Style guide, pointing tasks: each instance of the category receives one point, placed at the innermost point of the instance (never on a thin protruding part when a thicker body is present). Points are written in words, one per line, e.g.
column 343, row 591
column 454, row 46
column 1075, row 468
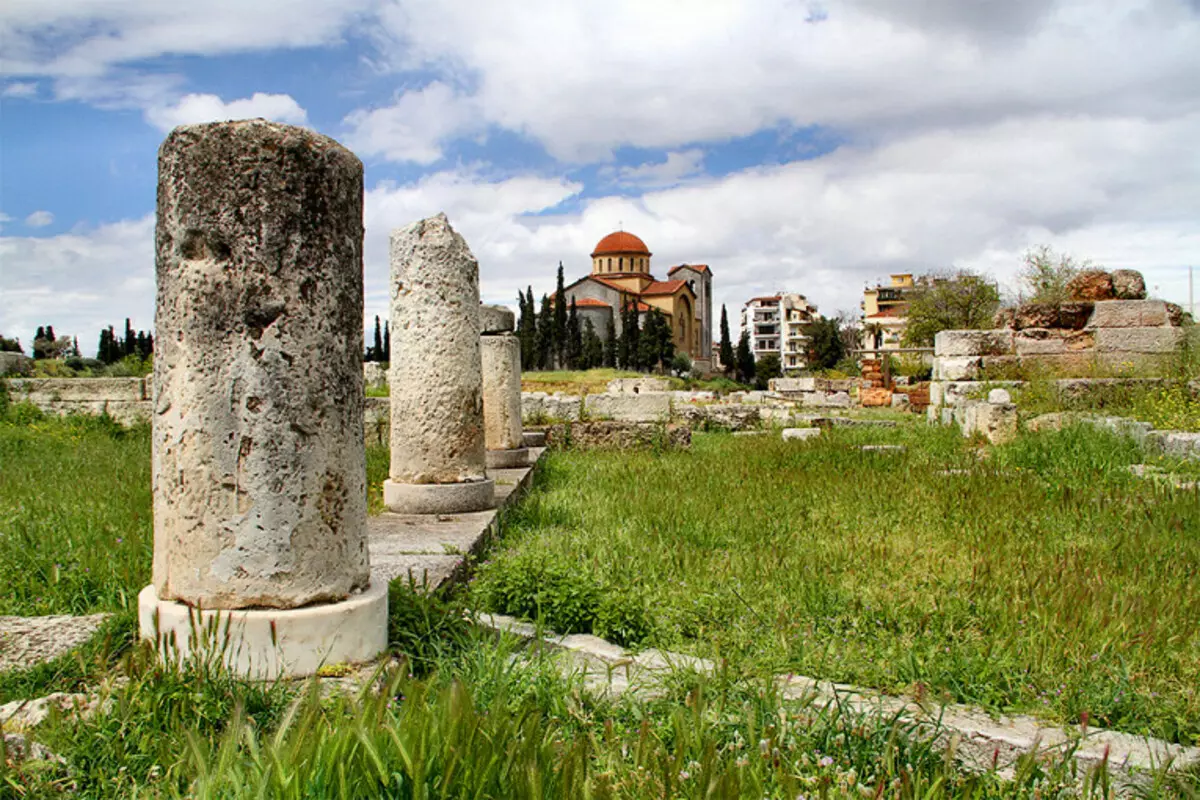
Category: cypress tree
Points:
column 610, row 346
column 376, row 351
column 726, row 351
column 129, row 343
column 544, row 350
column 666, row 342
column 527, row 328
column 593, row 348
column 75, row 346
column 149, row 344
column 560, row 318
column 387, row 342
column 745, row 359
column 574, row 338
column 648, row 340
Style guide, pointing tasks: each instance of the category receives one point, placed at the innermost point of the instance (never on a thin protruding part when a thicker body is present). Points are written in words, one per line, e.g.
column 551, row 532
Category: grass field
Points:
column 1042, row 578
column 833, row 562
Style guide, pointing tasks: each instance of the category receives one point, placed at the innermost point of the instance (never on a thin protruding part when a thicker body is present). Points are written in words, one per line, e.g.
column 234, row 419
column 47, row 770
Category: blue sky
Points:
column 802, row 146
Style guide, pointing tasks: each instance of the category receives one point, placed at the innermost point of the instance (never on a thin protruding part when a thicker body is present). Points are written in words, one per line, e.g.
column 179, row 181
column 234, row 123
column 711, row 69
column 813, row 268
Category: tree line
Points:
column 552, row 335
column 47, row 345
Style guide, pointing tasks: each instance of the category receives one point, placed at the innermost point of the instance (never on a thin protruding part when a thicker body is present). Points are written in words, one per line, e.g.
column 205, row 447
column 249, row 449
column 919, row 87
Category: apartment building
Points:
column 777, row 324
column 885, row 312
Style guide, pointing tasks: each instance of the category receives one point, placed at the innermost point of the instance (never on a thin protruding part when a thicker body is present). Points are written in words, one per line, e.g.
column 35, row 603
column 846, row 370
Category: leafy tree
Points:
column 544, row 351
column 560, row 319
column 768, row 367
column 593, row 348
column 681, row 364
column 726, row 347
column 825, row 345
column 11, row 345
column 1045, row 274
column 962, row 301
column 745, row 359
column 610, row 346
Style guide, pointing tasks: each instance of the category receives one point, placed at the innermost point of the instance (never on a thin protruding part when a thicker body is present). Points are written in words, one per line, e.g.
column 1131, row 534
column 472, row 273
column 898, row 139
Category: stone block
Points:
column 1035, row 315
column 874, row 398
column 615, row 435
column 1138, row 340
column 643, row 407
column 374, row 373
column 839, row 400
column 973, row 343
column 82, row 389
column 999, row 396
column 937, row 393
column 814, row 399
column 1128, row 284
column 959, row 368
column 800, row 434
column 900, row 402
column 496, row 319
column 1130, row 314
column 1092, row 284
column 1059, row 363
column 793, row 384
column 835, row 384
column 1074, row 314
column 15, row 364
column 1177, row 443
column 637, row 385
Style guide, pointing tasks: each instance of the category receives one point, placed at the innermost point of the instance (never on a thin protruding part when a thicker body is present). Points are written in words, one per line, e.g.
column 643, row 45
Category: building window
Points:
column 610, row 265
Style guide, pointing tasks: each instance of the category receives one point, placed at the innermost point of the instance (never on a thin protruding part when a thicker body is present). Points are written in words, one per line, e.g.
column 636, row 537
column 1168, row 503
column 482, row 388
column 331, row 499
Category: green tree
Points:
column 745, row 359
column 527, row 327
column 768, row 367
column 11, row 345
column 630, row 336
column 593, row 348
column 825, row 345
column 387, row 342
column 574, row 349
column 726, row 347
column 681, row 364
column 375, row 351
column 544, row 351
column 665, row 346
column 610, row 346
column 560, row 319
column 129, row 343
column 962, row 301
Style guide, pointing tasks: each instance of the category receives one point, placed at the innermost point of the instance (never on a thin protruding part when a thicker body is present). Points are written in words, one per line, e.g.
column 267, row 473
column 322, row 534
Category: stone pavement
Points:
column 28, row 641
column 435, row 548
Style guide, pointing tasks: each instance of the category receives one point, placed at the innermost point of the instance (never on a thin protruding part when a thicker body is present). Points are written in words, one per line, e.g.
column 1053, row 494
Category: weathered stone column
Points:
column 502, row 389
column 258, row 466
column 438, row 457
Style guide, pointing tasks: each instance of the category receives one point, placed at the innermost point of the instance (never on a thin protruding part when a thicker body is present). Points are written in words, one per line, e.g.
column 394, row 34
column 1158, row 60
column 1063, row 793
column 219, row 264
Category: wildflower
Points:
column 826, row 761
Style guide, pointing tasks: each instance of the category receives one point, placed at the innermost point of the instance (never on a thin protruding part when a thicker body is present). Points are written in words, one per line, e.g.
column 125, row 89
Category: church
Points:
column 621, row 276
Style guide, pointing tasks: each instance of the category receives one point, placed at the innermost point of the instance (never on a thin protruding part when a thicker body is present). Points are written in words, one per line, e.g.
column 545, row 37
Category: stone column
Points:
column 502, row 390
column 438, row 456
column 259, row 473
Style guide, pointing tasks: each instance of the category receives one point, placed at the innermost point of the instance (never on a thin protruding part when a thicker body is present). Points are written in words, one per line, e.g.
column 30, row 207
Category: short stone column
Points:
column 259, row 477
column 438, row 456
column 502, row 390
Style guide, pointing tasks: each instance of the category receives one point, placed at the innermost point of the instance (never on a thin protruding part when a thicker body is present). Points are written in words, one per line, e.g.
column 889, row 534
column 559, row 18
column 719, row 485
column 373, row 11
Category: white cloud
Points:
column 586, row 78
column 413, row 127
column 676, row 167
column 195, row 108
column 79, row 282
column 39, row 219
column 20, row 89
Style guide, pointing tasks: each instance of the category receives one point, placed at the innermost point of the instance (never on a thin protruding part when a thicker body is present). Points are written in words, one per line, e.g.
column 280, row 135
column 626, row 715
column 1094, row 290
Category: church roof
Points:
column 590, row 302
column 620, row 242
column 663, row 287
column 697, row 267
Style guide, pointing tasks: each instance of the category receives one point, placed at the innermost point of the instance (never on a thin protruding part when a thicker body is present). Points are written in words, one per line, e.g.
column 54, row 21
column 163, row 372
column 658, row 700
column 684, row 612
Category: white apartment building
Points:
column 777, row 325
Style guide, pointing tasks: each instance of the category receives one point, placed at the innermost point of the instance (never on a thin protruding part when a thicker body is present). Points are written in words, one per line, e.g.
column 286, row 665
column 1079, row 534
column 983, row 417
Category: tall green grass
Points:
column 1038, row 577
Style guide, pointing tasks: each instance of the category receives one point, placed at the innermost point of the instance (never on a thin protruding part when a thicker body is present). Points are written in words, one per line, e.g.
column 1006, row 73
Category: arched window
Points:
column 610, row 265
column 620, row 265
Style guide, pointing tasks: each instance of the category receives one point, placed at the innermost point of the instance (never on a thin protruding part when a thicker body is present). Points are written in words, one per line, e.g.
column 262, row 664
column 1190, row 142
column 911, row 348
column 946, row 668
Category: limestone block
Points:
column 958, row 368
column 82, row 389
column 377, row 420
column 814, row 399
column 800, row 434
column 1074, row 315
column 501, row 362
column 839, row 400
column 1138, row 340
column 937, row 393
column 374, row 373
column 644, row 407
column 1130, row 314
column 436, row 369
column 1177, row 443
column 900, row 401
column 793, row 384
column 1128, row 284
column 1035, row 315
column 617, row 435
column 999, row 396
column 973, row 343
column 496, row 319
column 1059, row 363
column 258, row 465
column 637, row 385
column 722, row 417
column 835, row 384
column 1092, row 284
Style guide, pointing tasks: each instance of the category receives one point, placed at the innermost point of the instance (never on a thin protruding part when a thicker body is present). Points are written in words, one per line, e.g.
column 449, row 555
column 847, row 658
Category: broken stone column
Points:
column 501, row 355
column 259, row 473
column 438, row 446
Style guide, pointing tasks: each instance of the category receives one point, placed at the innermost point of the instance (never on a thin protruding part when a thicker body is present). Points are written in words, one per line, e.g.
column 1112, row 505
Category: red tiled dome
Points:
column 620, row 242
